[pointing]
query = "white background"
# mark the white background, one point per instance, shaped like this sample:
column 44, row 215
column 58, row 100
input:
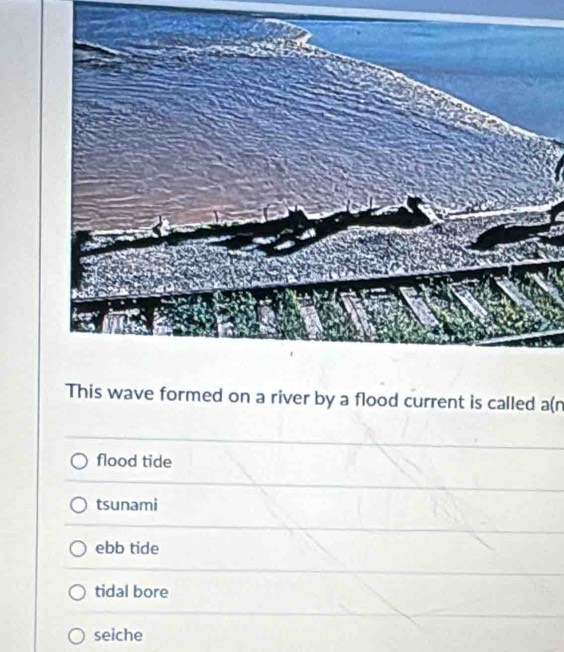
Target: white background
column 401, row 562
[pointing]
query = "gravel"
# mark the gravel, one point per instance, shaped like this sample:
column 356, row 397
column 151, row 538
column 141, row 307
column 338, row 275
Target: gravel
column 359, row 253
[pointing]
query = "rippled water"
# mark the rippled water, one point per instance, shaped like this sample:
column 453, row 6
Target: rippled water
column 517, row 73
column 197, row 116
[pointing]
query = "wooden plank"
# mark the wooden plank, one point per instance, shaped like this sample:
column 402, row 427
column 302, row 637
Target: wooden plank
column 528, row 337
column 469, row 301
column 418, row 307
column 267, row 319
column 160, row 325
column 513, row 293
column 355, row 309
column 114, row 323
column 224, row 327
column 549, row 288
column 309, row 316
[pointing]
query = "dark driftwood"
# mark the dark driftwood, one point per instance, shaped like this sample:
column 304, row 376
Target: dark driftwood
column 279, row 237
column 506, row 234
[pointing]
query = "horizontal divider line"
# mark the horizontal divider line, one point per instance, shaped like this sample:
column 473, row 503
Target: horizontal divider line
column 351, row 614
column 282, row 485
column 266, row 571
column 321, row 443
column 282, row 528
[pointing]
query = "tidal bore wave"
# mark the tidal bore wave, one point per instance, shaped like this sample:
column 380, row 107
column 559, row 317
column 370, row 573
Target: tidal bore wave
column 198, row 116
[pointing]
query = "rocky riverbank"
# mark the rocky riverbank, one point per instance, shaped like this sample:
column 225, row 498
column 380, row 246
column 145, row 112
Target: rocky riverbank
column 297, row 250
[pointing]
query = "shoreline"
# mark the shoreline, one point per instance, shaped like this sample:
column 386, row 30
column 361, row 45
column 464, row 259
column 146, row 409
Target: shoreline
column 191, row 226
column 185, row 265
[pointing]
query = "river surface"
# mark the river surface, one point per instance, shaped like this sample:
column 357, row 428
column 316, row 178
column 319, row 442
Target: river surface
column 201, row 116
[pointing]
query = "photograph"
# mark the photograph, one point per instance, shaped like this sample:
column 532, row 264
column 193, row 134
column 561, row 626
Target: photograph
column 307, row 177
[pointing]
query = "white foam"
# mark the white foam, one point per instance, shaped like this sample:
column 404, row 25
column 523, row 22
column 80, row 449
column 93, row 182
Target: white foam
column 467, row 108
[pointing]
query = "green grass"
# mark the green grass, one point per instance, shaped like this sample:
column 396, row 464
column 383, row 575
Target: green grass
column 391, row 318
column 546, row 305
column 458, row 323
column 556, row 276
column 336, row 323
column 395, row 323
column 290, row 324
column 84, row 322
column 192, row 315
column 509, row 318
column 239, row 309
column 136, row 323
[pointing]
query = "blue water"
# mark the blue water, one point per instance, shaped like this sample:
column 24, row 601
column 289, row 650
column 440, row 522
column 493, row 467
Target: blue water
column 194, row 115
column 516, row 73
